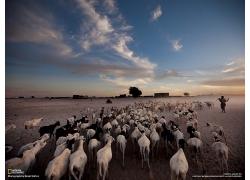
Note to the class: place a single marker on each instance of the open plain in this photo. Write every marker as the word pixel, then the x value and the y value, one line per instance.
pixel 17 111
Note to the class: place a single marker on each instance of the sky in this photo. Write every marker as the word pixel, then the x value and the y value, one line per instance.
pixel 102 47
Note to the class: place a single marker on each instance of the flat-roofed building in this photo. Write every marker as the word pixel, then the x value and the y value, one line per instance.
pixel 160 95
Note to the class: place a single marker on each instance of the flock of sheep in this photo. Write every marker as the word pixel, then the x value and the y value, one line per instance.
pixel 139 122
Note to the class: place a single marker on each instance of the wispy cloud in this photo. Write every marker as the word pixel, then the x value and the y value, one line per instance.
pixel 110 6
pixel 175 45
pixel 232 74
pixel 200 72
pixel 225 82
pixel 156 13
pixel 168 73
pixel 120 81
pixel 98 30
pixel 102 32
pixel 35 28
pixel 230 63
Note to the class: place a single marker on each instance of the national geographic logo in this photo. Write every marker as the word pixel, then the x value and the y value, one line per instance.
pixel 15 171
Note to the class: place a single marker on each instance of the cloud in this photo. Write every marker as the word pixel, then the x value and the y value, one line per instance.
pixel 103 33
pixel 229 64
pixel 120 81
pixel 168 73
pixel 156 13
pixel 190 80
pixel 33 27
pixel 236 69
pixel 126 28
pixel 125 52
pixel 110 6
pixel 175 45
pixel 97 31
pixel 225 82
pixel 200 72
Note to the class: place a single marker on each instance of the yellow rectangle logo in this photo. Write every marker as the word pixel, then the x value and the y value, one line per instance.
pixel 9 171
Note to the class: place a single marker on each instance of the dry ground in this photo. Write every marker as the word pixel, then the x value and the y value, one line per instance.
pixel 17 111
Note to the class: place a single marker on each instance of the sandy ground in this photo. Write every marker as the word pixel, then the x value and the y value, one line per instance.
pixel 17 111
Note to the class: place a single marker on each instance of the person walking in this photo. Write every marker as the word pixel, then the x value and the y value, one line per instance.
pixel 223 103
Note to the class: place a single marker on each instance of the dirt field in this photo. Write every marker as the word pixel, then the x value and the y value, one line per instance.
pixel 18 111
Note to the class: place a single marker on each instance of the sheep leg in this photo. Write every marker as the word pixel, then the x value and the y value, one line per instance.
pixel 141 151
pixel 98 167
pixel 173 175
pixel 157 147
pixel 22 134
pixel 71 172
pixel 222 165
pixel 51 144
pixel 95 154
pixel 148 157
pixel 123 155
pixel 117 153
pixel 104 172
pixel 183 175
pixel 225 160
pixel 81 173
pixel 90 159
pixel 166 143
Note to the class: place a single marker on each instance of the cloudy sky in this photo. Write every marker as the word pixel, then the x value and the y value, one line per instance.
pixel 103 47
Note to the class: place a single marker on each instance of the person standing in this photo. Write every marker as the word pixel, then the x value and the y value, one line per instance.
pixel 223 103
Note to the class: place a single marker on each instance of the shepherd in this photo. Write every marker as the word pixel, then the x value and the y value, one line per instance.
pixel 223 103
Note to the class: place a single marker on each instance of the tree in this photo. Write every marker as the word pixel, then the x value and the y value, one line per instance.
pixel 135 92
pixel 186 94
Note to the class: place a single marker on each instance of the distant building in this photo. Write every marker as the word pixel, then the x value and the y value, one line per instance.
pixel 160 95
pixel 79 97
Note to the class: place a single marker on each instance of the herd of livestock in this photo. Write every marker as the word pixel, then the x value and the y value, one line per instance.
pixel 139 123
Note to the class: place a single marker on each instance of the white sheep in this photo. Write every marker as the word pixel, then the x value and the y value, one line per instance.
pixel 117 131
pixel 178 135
pixel 31 145
pixel 90 133
pixel 176 116
pixel 114 123
pixel 194 122
pixel 93 147
pixel 218 129
pixel 154 138
pixel 63 139
pixel 195 146
pixel 31 124
pixel 28 159
pixel 71 120
pixel 121 143
pixel 221 153
pixel 178 165
pixel 131 122
pixel 84 126
pixel 58 167
pixel 136 134
pixel 144 144
pixel 78 160
pixel 107 127
pixel 9 126
pixel 68 144
pixel 105 138
pixel 104 156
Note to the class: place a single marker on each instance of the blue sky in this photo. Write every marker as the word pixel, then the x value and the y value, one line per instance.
pixel 101 48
